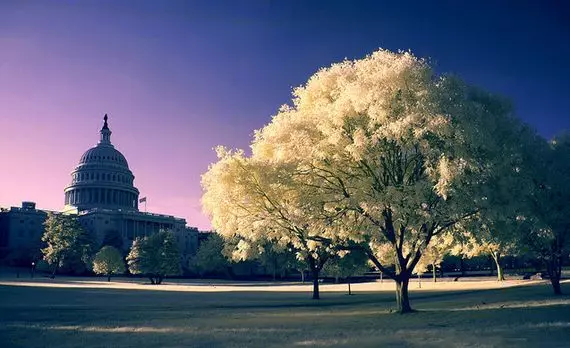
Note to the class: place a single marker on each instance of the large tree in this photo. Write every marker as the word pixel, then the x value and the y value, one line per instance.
pixel 155 256
pixel 546 226
pixel 382 153
pixel 67 243
pixel 108 261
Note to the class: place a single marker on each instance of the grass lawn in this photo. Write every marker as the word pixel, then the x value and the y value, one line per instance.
pixel 70 312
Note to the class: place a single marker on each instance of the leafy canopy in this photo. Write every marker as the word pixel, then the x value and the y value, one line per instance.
pixel 68 243
pixel 108 260
pixel 378 153
pixel 210 258
pixel 156 256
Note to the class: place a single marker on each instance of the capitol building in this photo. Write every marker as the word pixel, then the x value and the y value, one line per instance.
pixel 103 196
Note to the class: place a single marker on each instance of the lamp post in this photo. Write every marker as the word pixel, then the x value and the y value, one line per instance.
pixel 33 268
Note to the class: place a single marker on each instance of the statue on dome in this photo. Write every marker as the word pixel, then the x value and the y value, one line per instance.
pixel 105 126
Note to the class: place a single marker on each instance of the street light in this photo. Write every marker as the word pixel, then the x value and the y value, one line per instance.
pixel 33 268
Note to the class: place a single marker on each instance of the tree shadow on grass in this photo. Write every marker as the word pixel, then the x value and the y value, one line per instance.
pixel 70 317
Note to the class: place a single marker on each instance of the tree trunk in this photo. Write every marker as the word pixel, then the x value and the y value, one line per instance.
pixel 348 280
pixel 274 269
pixel 303 276
pixel 554 269
pixel 462 266
pixel 433 271
pixel 556 285
pixel 108 277
pixel 402 299
pixel 497 258
pixel 55 266
pixel 315 273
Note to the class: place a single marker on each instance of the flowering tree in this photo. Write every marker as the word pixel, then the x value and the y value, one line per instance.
pixel 377 154
pixel 260 201
pixel 403 155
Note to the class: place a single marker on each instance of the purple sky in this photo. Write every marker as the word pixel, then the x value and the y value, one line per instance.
pixel 180 77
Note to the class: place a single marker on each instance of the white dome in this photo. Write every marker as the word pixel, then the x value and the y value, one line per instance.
pixel 102 179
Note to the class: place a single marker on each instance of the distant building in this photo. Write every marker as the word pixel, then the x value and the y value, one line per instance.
pixel 21 229
pixel 103 196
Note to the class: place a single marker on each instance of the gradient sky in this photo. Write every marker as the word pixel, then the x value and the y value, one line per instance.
pixel 180 77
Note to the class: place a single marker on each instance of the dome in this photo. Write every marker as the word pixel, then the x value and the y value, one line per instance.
pixel 102 179
pixel 104 154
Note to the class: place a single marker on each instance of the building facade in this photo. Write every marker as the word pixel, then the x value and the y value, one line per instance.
pixel 21 230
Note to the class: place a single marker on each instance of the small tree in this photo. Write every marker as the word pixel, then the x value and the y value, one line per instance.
pixel 278 260
pixel 351 264
pixel 108 261
pixel 68 243
pixel 156 256
pixel 209 258
pixel 434 254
